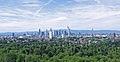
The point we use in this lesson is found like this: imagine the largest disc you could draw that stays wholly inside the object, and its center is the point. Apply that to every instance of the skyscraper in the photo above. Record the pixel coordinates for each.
(39, 33)
(68, 31)
(63, 34)
(13, 34)
(46, 33)
(92, 32)
(51, 33)
(56, 33)
(59, 33)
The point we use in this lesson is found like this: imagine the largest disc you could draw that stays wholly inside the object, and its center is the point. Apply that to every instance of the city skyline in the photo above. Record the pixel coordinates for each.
(30, 15)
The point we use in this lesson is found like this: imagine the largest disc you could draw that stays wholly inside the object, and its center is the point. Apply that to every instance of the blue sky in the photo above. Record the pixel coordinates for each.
(29, 15)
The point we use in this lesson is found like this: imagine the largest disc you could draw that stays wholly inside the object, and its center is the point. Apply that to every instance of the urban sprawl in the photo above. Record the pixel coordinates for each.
(47, 35)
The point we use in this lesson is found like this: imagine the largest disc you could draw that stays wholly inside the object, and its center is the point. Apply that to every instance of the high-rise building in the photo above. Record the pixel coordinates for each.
(51, 33)
(114, 37)
(92, 33)
(39, 33)
(68, 31)
(59, 33)
(42, 34)
(13, 34)
(46, 33)
(63, 34)
(56, 33)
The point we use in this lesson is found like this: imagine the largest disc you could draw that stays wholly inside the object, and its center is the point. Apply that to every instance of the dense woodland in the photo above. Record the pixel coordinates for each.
(60, 51)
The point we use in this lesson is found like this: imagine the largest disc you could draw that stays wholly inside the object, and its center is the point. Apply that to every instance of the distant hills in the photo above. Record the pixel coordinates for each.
(72, 31)
(96, 31)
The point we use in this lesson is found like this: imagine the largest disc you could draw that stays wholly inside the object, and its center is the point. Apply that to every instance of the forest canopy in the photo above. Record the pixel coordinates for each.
(60, 51)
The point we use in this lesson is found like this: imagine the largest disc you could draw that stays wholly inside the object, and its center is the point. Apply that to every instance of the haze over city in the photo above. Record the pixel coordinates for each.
(30, 15)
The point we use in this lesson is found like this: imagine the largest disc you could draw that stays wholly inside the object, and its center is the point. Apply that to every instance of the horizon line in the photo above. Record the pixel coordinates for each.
(58, 29)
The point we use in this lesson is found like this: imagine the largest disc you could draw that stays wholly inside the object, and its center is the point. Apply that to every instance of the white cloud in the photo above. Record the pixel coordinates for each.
(77, 17)
(58, 19)
(32, 5)
(7, 14)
